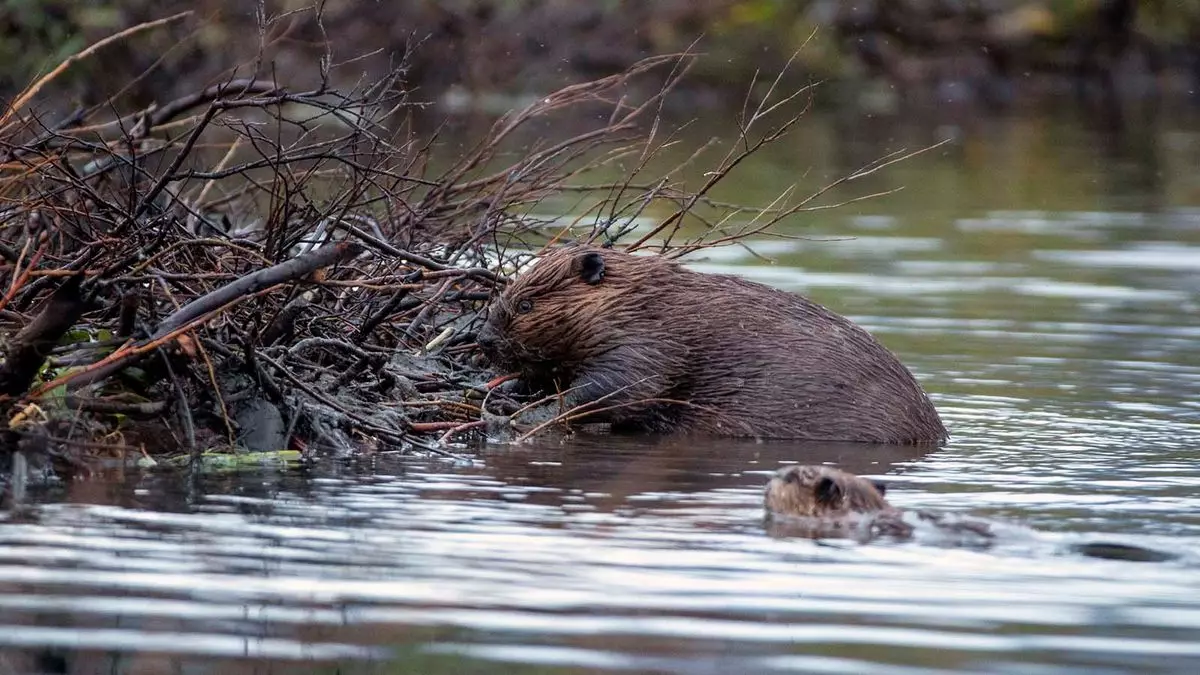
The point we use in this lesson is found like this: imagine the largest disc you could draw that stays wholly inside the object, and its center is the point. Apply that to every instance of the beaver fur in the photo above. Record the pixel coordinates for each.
(652, 346)
(832, 502)
(822, 501)
(818, 501)
(817, 491)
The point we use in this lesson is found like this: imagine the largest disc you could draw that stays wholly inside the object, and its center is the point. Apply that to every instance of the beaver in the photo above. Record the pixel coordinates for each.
(648, 345)
(825, 502)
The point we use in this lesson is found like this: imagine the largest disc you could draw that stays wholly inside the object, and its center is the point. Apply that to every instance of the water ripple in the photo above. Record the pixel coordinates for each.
(1065, 369)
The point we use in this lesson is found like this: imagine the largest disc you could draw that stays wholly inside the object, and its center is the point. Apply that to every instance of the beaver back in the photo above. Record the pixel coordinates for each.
(719, 353)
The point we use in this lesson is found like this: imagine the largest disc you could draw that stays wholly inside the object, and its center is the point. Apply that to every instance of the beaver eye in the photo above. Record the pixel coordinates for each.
(524, 307)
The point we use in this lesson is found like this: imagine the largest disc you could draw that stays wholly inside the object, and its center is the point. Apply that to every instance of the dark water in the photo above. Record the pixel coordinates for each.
(1042, 277)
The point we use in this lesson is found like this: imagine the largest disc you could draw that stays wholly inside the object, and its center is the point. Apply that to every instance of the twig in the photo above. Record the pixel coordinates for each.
(29, 348)
(106, 406)
(37, 86)
(206, 307)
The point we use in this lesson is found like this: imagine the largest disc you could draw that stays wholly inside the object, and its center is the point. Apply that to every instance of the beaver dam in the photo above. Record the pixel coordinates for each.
(260, 268)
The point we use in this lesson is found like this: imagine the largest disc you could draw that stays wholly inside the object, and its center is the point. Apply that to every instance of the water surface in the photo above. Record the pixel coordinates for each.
(1041, 277)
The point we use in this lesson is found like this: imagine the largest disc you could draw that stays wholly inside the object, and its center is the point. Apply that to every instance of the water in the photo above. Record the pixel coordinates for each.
(1042, 278)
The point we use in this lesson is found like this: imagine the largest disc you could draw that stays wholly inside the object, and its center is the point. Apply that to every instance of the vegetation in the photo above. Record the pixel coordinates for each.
(261, 267)
(535, 45)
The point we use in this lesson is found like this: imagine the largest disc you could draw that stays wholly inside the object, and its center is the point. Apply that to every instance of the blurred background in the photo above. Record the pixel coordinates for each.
(1011, 80)
(992, 54)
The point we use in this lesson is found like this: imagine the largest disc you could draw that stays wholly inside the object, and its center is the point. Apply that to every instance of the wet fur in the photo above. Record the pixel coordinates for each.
(719, 354)
(814, 491)
(831, 502)
(822, 501)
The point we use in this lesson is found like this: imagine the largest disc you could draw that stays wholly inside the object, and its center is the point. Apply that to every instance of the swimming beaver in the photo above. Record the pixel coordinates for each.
(822, 501)
(664, 349)
(829, 502)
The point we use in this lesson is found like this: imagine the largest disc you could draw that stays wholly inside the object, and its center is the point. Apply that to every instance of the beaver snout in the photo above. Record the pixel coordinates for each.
(494, 344)
(487, 338)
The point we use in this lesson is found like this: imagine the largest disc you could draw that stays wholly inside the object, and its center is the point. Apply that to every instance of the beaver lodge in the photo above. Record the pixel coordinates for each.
(257, 267)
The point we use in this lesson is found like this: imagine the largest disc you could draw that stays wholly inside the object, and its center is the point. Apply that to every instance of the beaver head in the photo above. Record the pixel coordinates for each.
(566, 308)
(823, 492)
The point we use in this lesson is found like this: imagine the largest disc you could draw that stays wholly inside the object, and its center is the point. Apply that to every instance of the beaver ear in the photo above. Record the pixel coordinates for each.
(829, 493)
(880, 487)
(590, 267)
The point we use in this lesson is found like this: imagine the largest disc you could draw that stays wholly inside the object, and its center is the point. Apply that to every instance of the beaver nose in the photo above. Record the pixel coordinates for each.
(487, 337)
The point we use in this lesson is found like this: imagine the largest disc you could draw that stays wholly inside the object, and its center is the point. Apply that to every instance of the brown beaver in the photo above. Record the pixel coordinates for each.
(652, 346)
(828, 502)
(822, 501)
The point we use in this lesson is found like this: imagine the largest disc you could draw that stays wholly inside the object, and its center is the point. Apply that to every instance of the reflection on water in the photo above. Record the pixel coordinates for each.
(1048, 305)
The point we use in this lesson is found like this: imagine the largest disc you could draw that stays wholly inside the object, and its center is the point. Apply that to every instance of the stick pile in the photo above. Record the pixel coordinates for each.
(254, 267)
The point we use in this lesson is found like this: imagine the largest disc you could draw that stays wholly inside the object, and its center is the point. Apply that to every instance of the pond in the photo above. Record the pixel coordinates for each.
(1041, 277)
